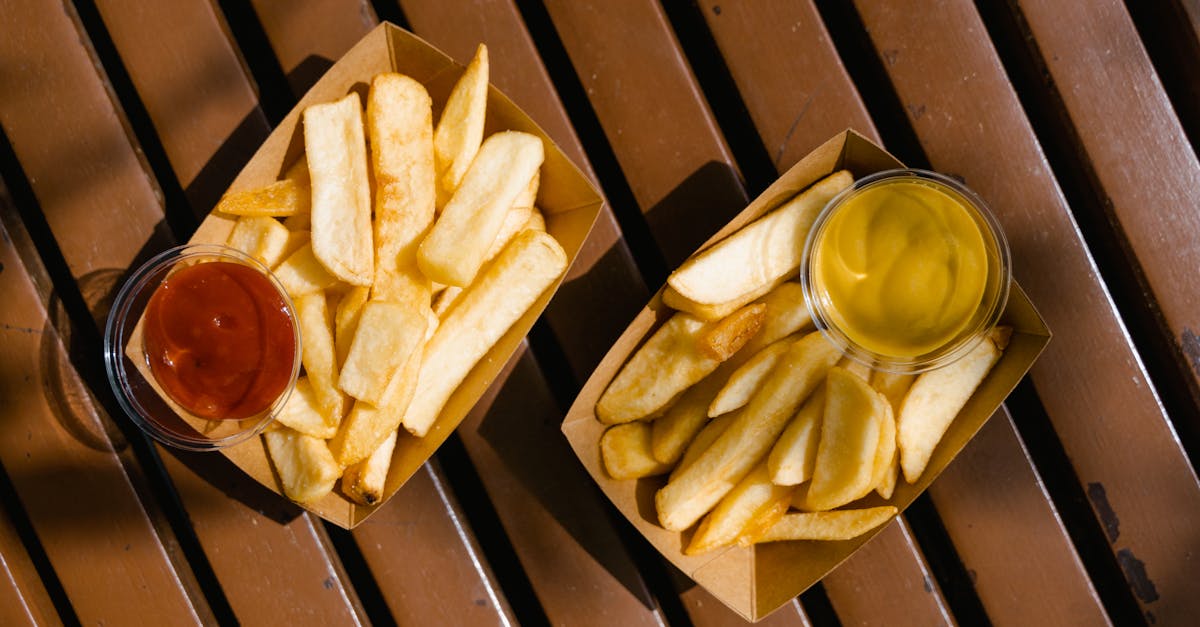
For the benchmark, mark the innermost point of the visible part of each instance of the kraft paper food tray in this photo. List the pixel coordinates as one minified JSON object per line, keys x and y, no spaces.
{"x":568,"y":200}
{"x":758,"y":580}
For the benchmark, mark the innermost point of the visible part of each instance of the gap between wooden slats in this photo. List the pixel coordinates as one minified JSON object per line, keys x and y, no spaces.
{"x":1090,"y":378}
{"x":799,"y":101}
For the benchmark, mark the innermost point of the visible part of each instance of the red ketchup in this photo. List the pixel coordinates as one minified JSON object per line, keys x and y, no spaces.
{"x":220,"y":340}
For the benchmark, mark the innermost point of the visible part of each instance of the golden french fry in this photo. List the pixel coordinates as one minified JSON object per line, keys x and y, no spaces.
{"x":498,"y":298}
{"x":320,"y":362}
{"x":303,"y":413}
{"x":364,"y":482}
{"x":690,"y":495}
{"x":345,"y":320}
{"x":456,"y":245}
{"x":528,"y":195}
{"x":893,"y":387}
{"x":674,"y":300}
{"x":281,"y":198}
{"x":787,"y":313}
{"x":670,"y":362}
{"x":886,"y":452}
{"x":704,"y":439}
{"x":671,"y":432}
{"x":306,"y":470}
{"x":445,"y":299}
{"x":795,"y":452}
{"x":843,"y":524}
{"x":387,"y":334}
{"x":341,"y":194}
{"x":935,"y":398}
{"x":537,"y":221}
{"x":625,"y":450}
{"x":850,"y":429}
{"x":755,"y":501}
{"x":514,"y":222}
{"x":759,"y":254}
{"x":367,"y":425}
{"x":263,"y":238}
{"x":400,"y":125}
{"x":302,"y":274}
{"x":728,"y":336}
{"x":743,"y":381}
{"x":460,"y":129}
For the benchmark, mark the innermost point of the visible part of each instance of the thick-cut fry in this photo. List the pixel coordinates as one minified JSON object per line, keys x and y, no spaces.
{"x":670,"y":362}
{"x":755,"y":500}
{"x":364,"y":482}
{"x":507,"y":288}
{"x":762,"y":252}
{"x":460,"y":129}
{"x":400,"y":126}
{"x":893,"y":387}
{"x":728,"y":336}
{"x":672,"y":431}
{"x":886,"y":452}
{"x":795,"y":452}
{"x":850,"y":429}
{"x":275,"y":246}
{"x":742,"y":383}
{"x":787,"y":313}
{"x":446,"y":299}
{"x":625,"y":450}
{"x":528,"y":195}
{"x":459,"y":240}
{"x":537,"y":221}
{"x":747,"y":440}
{"x":514,"y":222}
{"x":302,"y":412}
{"x":674,"y":300}
{"x":843,"y":524}
{"x":935,"y":398}
{"x":345,"y":320}
{"x":341,"y":194}
{"x":320,"y":362}
{"x":306,"y":470}
{"x":302,"y":274}
{"x":265,"y":239}
{"x":367,"y":425}
{"x":281,"y":198}
{"x":704,"y":439}
{"x":387,"y":334}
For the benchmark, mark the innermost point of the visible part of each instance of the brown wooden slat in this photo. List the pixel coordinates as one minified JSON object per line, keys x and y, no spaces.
{"x":664,"y":136}
{"x":1010,"y":538}
{"x":1090,"y":380}
{"x":309,"y":37}
{"x":799,"y":100}
{"x":604,"y":277}
{"x":23,"y":597}
{"x":550,"y":509}
{"x":1090,"y":48}
{"x":100,"y":540}
{"x":268,"y":572}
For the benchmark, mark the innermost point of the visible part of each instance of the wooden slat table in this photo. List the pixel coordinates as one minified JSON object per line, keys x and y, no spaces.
{"x":122,"y":123}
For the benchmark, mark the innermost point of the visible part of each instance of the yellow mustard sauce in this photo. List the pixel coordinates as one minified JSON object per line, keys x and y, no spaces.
{"x":902,"y":268}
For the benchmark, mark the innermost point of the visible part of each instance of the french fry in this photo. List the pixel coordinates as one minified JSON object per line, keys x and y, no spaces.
{"x":306,"y":470}
{"x":514,"y":222}
{"x":458,"y":242}
{"x":885,"y":453}
{"x":787,"y":313}
{"x":275,"y":246}
{"x":893,"y":387}
{"x":850,"y":427}
{"x":625,"y":450}
{"x":364,"y":482}
{"x":507,"y":288}
{"x":670,"y":362}
{"x":281,"y":198}
{"x":748,"y":439}
{"x":263,"y":238}
{"x":936,"y":397}
{"x":537,"y":221}
{"x":460,"y":129}
{"x":743,"y":381}
{"x":302,"y":412}
{"x":759,"y":254}
{"x":445,"y":299}
{"x":320,"y":362}
{"x":755,"y":500}
{"x":844,"y":524}
{"x":731,"y":333}
{"x":528,"y":195}
{"x":856,"y":368}
{"x":704,"y":439}
{"x":302,"y":274}
{"x":367,"y":425}
{"x":683,"y":419}
{"x":336,"y":151}
{"x":400,"y":126}
{"x":795,"y":452}
{"x":674,"y":300}
{"x":387,"y":334}
{"x":345,"y":320}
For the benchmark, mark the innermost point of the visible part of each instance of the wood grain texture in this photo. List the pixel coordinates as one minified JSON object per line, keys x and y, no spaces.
{"x":550,"y":509}
{"x":23,"y":597}
{"x":1121,"y":115}
{"x":309,"y":37}
{"x":1010,"y":538}
{"x":604,"y":277}
{"x":1090,"y":379}
{"x":662,"y":131}
{"x":56,"y":449}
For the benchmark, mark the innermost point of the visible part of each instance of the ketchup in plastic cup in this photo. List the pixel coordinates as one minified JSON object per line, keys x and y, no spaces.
{"x":202,"y":347}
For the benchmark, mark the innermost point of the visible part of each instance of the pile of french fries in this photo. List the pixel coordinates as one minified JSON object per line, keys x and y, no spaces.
{"x":766,"y":431}
{"x":405,"y":268}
